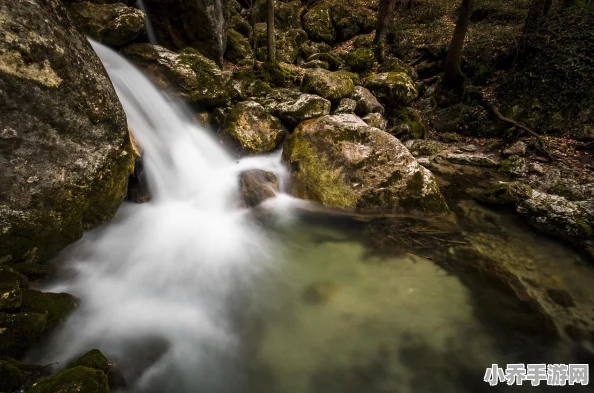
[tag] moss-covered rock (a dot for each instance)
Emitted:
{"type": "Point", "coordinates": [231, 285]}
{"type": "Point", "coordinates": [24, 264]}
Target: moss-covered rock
{"type": "Point", "coordinates": [32, 271]}
{"type": "Point", "coordinates": [513, 166]}
{"type": "Point", "coordinates": [18, 332]}
{"type": "Point", "coordinates": [360, 59]}
{"type": "Point", "coordinates": [341, 162]}
{"type": "Point", "coordinates": [257, 186]}
{"type": "Point", "coordinates": [287, 49]}
{"type": "Point", "coordinates": [417, 129]}
{"type": "Point", "coordinates": [310, 48]}
{"type": "Point", "coordinates": [8, 274]}
{"type": "Point", "coordinates": [10, 377]}
{"type": "Point", "coordinates": [393, 88]}
{"type": "Point", "coordinates": [420, 148]}
{"type": "Point", "coordinates": [352, 17]}
{"type": "Point", "coordinates": [346, 106]}
{"type": "Point", "coordinates": [250, 129]}
{"type": "Point", "coordinates": [333, 61]}
{"type": "Point", "coordinates": [286, 13]}
{"type": "Point", "coordinates": [238, 47]}
{"type": "Point", "coordinates": [240, 25]}
{"type": "Point", "coordinates": [190, 75]}
{"type": "Point", "coordinates": [449, 137]}
{"type": "Point", "coordinates": [307, 106]}
{"type": "Point", "coordinates": [376, 120]}
{"type": "Point", "coordinates": [112, 24]}
{"type": "Point", "coordinates": [394, 64]}
{"type": "Point", "coordinates": [54, 306]}
{"type": "Point", "coordinates": [318, 24]}
{"type": "Point", "coordinates": [73, 380]}
{"type": "Point", "coordinates": [93, 359]}
{"type": "Point", "coordinates": [366, 102]}
{"type": "Point", "coordinates": [330, 85]}
{"type": "Point", "coordinates": [316, 64]}
{"type": "Point", "coordinates": [10, 296]}
{"type": "Point", "coordinates": [248, 85]}
{"type": "Point", "coordinates": [64, 134]}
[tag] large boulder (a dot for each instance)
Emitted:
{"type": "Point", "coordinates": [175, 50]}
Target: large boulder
{"type": "Point", "coordinates": [238, 47]}
{"type": "Point", "coordinates": [392, 88]}
{"type": "Point", "coordinates": [331, 85]}
{"type": "Point", "coordinates": [307, 106]}
{"type": "Point", "coordinates": [342, 162]}
{"type": "Point", "coordinates": [286, 13]}
{"type": "Point", "coordinates": [111, 24]}
{"type": "Point", "coordinates": [250, 129]}
{"type": "Point", "coordinates": [366, 102]}
{"type": "Point", "coordinates": [200, 24]}
{"type": "Point", "coordinates": [73, 380]}
{"type": "Point", "coordinates": [317, 22]}
{"type": "Point", "coordinates": [65, 152]}
{"type": "Point", "coordinates": [54, 306]}
{"type": "Point", "coordinates": [19, 332]}
{"type": "Point", "coordinates": [192, 76]}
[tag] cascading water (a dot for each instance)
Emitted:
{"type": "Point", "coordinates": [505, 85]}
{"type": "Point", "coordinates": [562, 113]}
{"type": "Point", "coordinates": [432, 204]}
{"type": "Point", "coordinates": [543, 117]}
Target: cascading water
{"type": "Point", "coordinates": [163, 273]}
{"type": "Point", "coordinates": [150, 32]}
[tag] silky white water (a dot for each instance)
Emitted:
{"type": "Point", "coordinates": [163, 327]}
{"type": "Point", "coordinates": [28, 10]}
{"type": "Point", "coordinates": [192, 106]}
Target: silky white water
{"type": "Point", "coordinates": [166, 270]}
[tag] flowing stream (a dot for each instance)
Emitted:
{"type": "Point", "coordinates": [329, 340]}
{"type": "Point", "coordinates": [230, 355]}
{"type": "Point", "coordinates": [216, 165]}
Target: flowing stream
{"type": "Point", "coordinates": [188, 293]}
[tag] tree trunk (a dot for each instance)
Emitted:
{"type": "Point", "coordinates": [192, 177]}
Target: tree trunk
{"type": "Point", "coordinates": [384, 16]}
{"type": "Point", "coordinates": [538, 10]}
{"type": "Point", "coordinates": [453, 74]}
{"type": "Point", "coordinates": [270, 32]}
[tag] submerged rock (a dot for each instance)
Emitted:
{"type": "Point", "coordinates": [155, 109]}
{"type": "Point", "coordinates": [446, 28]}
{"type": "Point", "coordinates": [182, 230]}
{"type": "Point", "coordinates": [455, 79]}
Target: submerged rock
{"type": "Point", "coordinates": [341, 162]}
{"type": "Point", "coordinates": [188, 73]}
{"type": "Point", "coordinates": [111, 24]}
{"type": "Point", "coordinates": [393, 88]}
{"type": "Point", "coordinates": [73, 380]}
{"type": "Point", "coordinates": [250, 129]}
{"type": "Point", "coordinates": [258, 186]}
{"type": "Point", "coordinates": [64, 147]}
{"type": "Point", "coordinates": [19, 332]}
{"type": "Point", "coordinates": [54, 306]}
{"type": "Point", "coordinates": [330, 85]}
{"type": "Point", "coordinates": [307, 106]}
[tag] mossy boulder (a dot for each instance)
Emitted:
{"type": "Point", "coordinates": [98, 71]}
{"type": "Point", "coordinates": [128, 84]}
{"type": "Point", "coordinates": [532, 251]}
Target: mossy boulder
{"type": "Point", "coordinates": [346, 106]}
{"type": "Point", "coordinates": [111, 24]}
{"type": "Point", "coordinates": [376, 120]}
{"type": "Point", "coordinates": [240, 25]}
{"type": "Point", "coordinates": [257, 186]}
{"type": "Point", "coordinates": [54, 306]}
{"type": "Point", "coordinates": [360, 60]}
{"type": "Point", "coordinates": [334, 62]}
{"type": "Point", "coordinates": [18, 332]}
{"type": "Point", "coordinates": [366, 102]}
{"type": "Point", "coordinates": [316, 64]}
{"type": "Point", "coordinates": [93, 359]}
{"type": "Point", "coordinates": [392, 88]}
{"type": "Point", "coordinates": [10, 296]}
{"type": "Point", "coordinates": [238, 47]}
{"type": "Point", "coordinates": [32, 271]}
{"type": "Point", "coordinates": [351, 18]}
{"type": "Point", "coordinates": [286, 13]}
{"type": "Point", "coordinates": [420, 148]}
{"type": "Point", "coordinates": [416, 127]}
{"type": "Point", "coordinates": [307, 106]}
{"type": "Point", "coordinates": [10, 377]}
{"type": "Point", "coordinates": [287, 49]}
{"type": "Point", "coordinates": [250, 129]}
{"type": "Point", "coordinates": [513, 166]}
{"type": "Point", "coordinates": [394, 64]}
{"type": "Point", "coordinates": [190, 75]}
{"type": "Point", "coordinates": [8, 274]}
{"type": "Point", "coordinates": [506, 193]}
{"type": "Point", "coordinates": [330, 85]}
{"type": "Point", "coordinates": [65, 152]}
{"type": "Point", "coordinates": [73, 380]}
{"type": "Point", "coordinates": [310, 48]}
{"type": "Point", "coordinates": [317, 22]}
{"type": "Point", "coordinates": [248, 85]}
{"type": "Point", "coordinates": [343, 163]}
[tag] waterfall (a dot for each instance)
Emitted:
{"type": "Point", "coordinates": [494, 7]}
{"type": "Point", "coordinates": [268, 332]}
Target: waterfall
{"type": "Point", "coordinates": [163, 274]}
{"type": "Point", "coordinates": [150, 32]}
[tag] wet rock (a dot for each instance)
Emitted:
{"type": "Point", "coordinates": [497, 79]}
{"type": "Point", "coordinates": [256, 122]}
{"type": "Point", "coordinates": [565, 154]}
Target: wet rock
{"type": "Point", "coordinates": [19, 332]}
{"type": "Point", "coordinates": [92, 359]}
{"type": "Point", "coordinates": [330, 85]}
{"type": "Point", "coordinates": [517, 149]}
{"type": "Point", "coordinates": [320, 292]}
{"type": "Point", "coordinates": [514, 166]}
{"type": "Point", "coordinates": [360, 60]}
{"type": "Point", "coordinates": [32, 271]}
{"type": "Point", "coordinates": [189, 74]}
{"type": "Point", "coordinates": [10, 377]}
{"type": "Point", "coordinates": [506, 193]}
{"type": "Point", "coordinates": [250, 129]}
{"type": "Point", "coordinates": [10, 296]}
{"type": "Point", "coordinates": [393, 88]}
{"type": "Point", "coordinates": [60, 179]}
{"type": "Point", "coordinates": [471, 159]}
{"type": "Point", "coordinates": [73, 380]}
{"type": "Point", "coordinates": [316, 64]}
{"type": "Point", "coordinates": [416, 127]}
{"type": "Point", "coordinates": [176, 27]}
{"type": "Point", "coordinates": [420, 148]}
{"type": "Point", "coordinates": [55, 307]}
{"type": "Point", "coordinates": [366, 102]}
{"type": "Point", "coordinates": [561, 297]}
{"type": "Point", "coordinates": [341, 162]}
{"type": "Point", "coordinates": [318, 24]}
{"type": "Point", "coordinates": [138, 189]}
{"type": "Point", "coordinates": [238, 47]}
{"type": "Point", "coordinates": [376, 120]}
{"type": "Point", "coordinates": [8, 275]}
{"type": "Point", "coordinates": [310, 48]}
{"type": "Point", "coordinates": [346, 106]}
{"type": "Point", "coordinates": [111, 24]}
{"type": "Point", "coordinates": [307, 106]}
{"type": "Point", "coordinates": [258, 186]}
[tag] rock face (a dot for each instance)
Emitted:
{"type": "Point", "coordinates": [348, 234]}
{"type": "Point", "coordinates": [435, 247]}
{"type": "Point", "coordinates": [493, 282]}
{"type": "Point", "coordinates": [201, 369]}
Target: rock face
{"type": "Point", "coordinates": [258, 186]}
{"type": "Point", "coordinates": [250, 129]}
{"type": "Point", "coordinates": [341, 162]}
{"type": "Point", "coordinates": [330, 85]}
{"type": "Point", "coordinates": [194, 77]}
{"type": "Point", "coordinates": [111, 24]}
{"type": "Point", "coordinates": [200, 24]}
{"type": "Point", "coordinates": [65, 152]}
{"type": "Point", "coordinates": [307, 106]}
{"type": "Point", "coordinates": [395, 88]}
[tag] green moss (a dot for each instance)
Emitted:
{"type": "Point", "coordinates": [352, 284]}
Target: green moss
{"type": "Point", "coordinates": [351, 75]}
{"type": "Point", "coordinates": [334, 62]}
{"type": "Point", "coordinates": [318, 24]}
{"type": "Point", "coordinates": [8, 274]}
{"type": "Point", "coordinates": [32, 271]}
{"type": "Point", "coordinates": [19, 332]}
{"type": "Point", "coordinates": [55, 306]}
{"type": "Point", "coordinates": [506, 193]}
{"type": "Point", "coordinates": [449, 137]}
{"type": "Point", "coordinates": [238, 47]}
{"type": "Point", "coordinates": [410, 117]}
{"type": "Point", "coordinates": [585, 229]}
{"type": "Point", "coordinates": [417, 199]}
{"type": "Point", "coordinates": [514, 165]}
{"type": "Point", "coordinates": [10, 377]}
{"type": "Point", "coordinates": [93, 359]}
{"type": "Point", "coordinates": [74, 380]}
{"type": "Point", "coordinates": [360, 59]}
{"type": "Point", "coordinates": [10, 296]}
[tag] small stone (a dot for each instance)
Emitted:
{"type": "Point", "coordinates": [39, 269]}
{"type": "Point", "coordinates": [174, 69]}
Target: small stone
{"type": "Point", "coordinates": [471, 159]}
{"type": "Point", "coordinates": [468, 148]}
{"type": "Point", "coordinates": [258, 186]}
{"type": "Point", "coordinates": [346, 106]}
{"type": "Point", "coordinates": [376, 120]}
{"type": "Point", "coordinates": [535, 167]}
{"type": "Point", "coordinates": [518, 148]}
{"type": "Point", "coordinates": [10, 296]}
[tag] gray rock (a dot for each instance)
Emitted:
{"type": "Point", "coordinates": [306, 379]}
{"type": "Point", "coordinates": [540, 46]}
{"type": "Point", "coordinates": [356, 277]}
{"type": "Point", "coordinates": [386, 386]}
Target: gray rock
{"type": "Point", "coordinates": [376, 120]}
{"type": "Point", "coordinates": [514, 166]}
{"type": "Point", "coordinates": [346, 106]}
{"type": "Point", "coordinates": [471, 159]}
{"type": "Point", "coordinates": [517, 149]}
{"type": "Point", "coordinates": [258, 186]}
{"type": "Point", "coordinates": [307, 106]}
{"type": "Point", "coordinates": [394, 88]}
{"type": "Point", "coordinates": [330, 85]}
{"type": "Point", "coordinates": [366, 102]}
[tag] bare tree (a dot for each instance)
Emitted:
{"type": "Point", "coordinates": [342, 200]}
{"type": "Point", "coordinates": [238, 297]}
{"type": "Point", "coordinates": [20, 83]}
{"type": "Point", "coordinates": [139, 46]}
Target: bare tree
{"type": "Point", "coordinates": [453, 74]}
{"type": "Point", "coordinates": [270, 33]}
